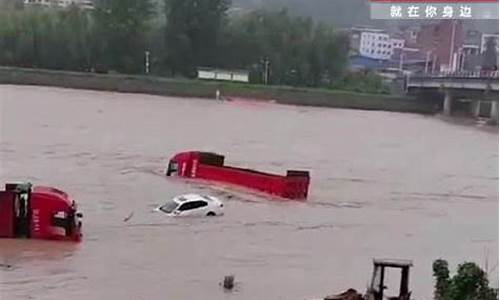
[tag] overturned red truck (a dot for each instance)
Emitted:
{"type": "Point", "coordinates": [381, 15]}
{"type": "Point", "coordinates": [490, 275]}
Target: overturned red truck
{"type": "Point", "coordinates": [210, 166]}
{"type": "Point", "coordinates": [38, 213]}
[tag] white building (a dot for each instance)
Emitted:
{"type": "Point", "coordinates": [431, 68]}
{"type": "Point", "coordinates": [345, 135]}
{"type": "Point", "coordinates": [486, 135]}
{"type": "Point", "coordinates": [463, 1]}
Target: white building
{"type": "Point", "coordinates": [484, 40]}
{"type": "Point", "coordinates": [373, 43]}
{"type": "Point", "coordinates": [38, 2]}
{"type": "Point", "coordinates": [84, 4]}
{"type": "Point", "coordinates": [225, 75]}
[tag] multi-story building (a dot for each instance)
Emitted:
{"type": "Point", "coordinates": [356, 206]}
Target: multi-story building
{"type": "Point", "coordinates": [433, 47]}
{"type": "Point", "coordinates": [84, 4]}
{"type": "Point", "coordinates": [372, 43]}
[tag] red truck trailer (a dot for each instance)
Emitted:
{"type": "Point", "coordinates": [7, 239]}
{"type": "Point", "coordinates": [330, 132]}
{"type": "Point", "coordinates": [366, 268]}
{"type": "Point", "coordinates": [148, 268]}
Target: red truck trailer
{"type": "Point", "coordinates": [210, 166]}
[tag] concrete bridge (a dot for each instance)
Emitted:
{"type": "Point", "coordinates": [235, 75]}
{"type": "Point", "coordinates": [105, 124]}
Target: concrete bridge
{"type": "Point", "coordinates": [459, 81]}
{"type": "Point", "coordinates": [477, 88]}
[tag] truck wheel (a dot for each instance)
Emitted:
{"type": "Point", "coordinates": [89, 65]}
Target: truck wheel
{"type": "Point", "coordinates": [210, 214]}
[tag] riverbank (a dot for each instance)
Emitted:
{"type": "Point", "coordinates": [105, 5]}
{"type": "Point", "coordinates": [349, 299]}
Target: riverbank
{"type": "Point", "coordinates": [205, 89]}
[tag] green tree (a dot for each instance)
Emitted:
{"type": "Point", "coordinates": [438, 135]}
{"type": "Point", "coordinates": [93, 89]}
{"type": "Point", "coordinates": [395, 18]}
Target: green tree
{"type": "Point", "coordinates": [120, 31]}
{"type": "Point", "coordinates": [192, 32]}
{"type": "Point", "coordinates": [188, 34]}
{"type": "Point", "coordinates": [45, 38]}
{"type": "Point", "coordinates": [11, 4]}
{"type": "Point", "coordinates": [470, 283]}
{"type": "Point", "coordinates": [300, 52]}
{"type": "Point", "coordinates": [442, 276]}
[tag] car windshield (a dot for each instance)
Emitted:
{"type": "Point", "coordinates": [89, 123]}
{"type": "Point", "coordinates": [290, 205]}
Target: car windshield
{"type": "Point", "coordinates": [169, 207]}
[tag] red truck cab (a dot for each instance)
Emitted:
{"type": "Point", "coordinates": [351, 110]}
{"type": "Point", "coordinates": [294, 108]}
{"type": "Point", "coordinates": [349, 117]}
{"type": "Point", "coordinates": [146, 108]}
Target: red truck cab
{"type": "Point", "coordinates": [38, 213]}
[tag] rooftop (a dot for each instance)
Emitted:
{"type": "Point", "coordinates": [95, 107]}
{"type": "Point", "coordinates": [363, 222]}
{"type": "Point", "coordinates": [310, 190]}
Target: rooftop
{"type": "Point", "coordinates": [397, 263]}
{"type": "Point", "coordinates": [368, 29]}
{"type": "Point", "coordinates": [218, 70]}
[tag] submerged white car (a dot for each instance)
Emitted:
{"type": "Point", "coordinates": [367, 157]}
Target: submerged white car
{"type": "Point", "coordinates": [193, 205]}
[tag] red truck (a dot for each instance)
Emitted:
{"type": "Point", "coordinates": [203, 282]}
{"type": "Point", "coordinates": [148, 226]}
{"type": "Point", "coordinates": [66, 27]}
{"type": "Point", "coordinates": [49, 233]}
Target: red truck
{"type": "Point", "coordinates": [210, 166]}
{"type": "Point", "coordinates": [38, 213]}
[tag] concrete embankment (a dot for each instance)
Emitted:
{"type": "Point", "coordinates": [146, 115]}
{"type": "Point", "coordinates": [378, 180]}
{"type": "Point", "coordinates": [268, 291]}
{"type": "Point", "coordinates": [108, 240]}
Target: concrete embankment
{"type": "Point", "coordinates": [204, 89]}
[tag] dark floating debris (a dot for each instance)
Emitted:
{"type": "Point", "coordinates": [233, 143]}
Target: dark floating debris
{"type": "Point", "coordinates": [228, 282]}
{"type": "Point", "coordinates": [6, 266]}
{"type": "Point", "coordinates": [128, 217]}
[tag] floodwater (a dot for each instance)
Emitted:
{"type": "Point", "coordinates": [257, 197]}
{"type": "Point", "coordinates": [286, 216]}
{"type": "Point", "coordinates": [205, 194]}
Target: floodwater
{"type": "Point", "coordinates": [384, 185]}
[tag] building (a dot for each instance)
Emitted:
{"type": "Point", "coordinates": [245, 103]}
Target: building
{"type": "Point", "coordinates": [405, 33]}
{"type": "Point", "coordinates": [484, 39]}
{"type": "Point", "coordinates": [38, 2]}
{"type": "Point", "coordinates": [441, 42]}
{"type": "Point", "coordinates": [224, 75]}
{"type": "Point", "coordinates": [472, 43]}
{"type": "Point", "coordinates": [411, 36]}
{"type": "Point", "coordinates": [398, 43]}
{"type": "Point", "coordinates": [376, 50]}
{"type": "Point", "coordinates": [84, 4]}
{"type": "Point", "coordinates": [371, 43]}
{"type": "Point", "coordinates": [441, 46]}
{"type": "Point", "coordinates": [408, 58]}
{"type": "Point", "coordinates": [377, 45]}
{"type": "Point", "coordinates": [470, 53]}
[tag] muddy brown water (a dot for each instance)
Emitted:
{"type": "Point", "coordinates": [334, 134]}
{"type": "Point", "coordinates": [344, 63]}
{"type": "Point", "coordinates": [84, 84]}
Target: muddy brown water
{"type": "Point", "coordinates": [383, 185]}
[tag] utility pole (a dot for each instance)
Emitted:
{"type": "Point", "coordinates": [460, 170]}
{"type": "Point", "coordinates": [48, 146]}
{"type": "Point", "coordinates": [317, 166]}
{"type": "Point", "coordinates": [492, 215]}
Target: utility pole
{"type": "Point", "coordinates": [266, 63]}
{"type": "Point", "coordinates": [434, 59]}
{"type": "Point", "coordinates": [146, 62]}
{"type": "Point", "coordinates": [452, 46]}
{"type": "Point", "coordinates": [460, 60]}
{"type": "Point", "coordinates": [401, 58]}
{"type": "Point", "coordinates": [427, 58]}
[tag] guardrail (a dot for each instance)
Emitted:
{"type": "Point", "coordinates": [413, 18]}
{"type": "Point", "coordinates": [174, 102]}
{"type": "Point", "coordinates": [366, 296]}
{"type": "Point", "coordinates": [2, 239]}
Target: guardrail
{"type": "Point", "coordinates": [460, 74]}
{"type": "Point", "coordinates": [479, 81]}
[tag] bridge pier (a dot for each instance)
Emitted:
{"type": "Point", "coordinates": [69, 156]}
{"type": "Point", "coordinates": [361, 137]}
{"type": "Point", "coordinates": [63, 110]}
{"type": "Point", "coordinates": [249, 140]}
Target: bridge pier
{"type": "Point", "coordinates": [477, 86]}
{"type": "Point", "coordinates": [476, 108]}
{"type": "Point", "coordinates": [448, 103]}
{"type": "Point", "coordinates": [494, 111]}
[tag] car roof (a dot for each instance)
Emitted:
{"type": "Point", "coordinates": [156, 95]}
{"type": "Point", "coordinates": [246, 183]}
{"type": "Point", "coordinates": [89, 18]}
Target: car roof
{"type": "Point", "coordinates": [192, 197]}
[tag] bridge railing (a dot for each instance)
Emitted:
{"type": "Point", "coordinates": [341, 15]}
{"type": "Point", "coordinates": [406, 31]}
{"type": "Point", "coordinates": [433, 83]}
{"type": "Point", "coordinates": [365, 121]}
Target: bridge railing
{"type": "Point", "coordinates": [460, 74]}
